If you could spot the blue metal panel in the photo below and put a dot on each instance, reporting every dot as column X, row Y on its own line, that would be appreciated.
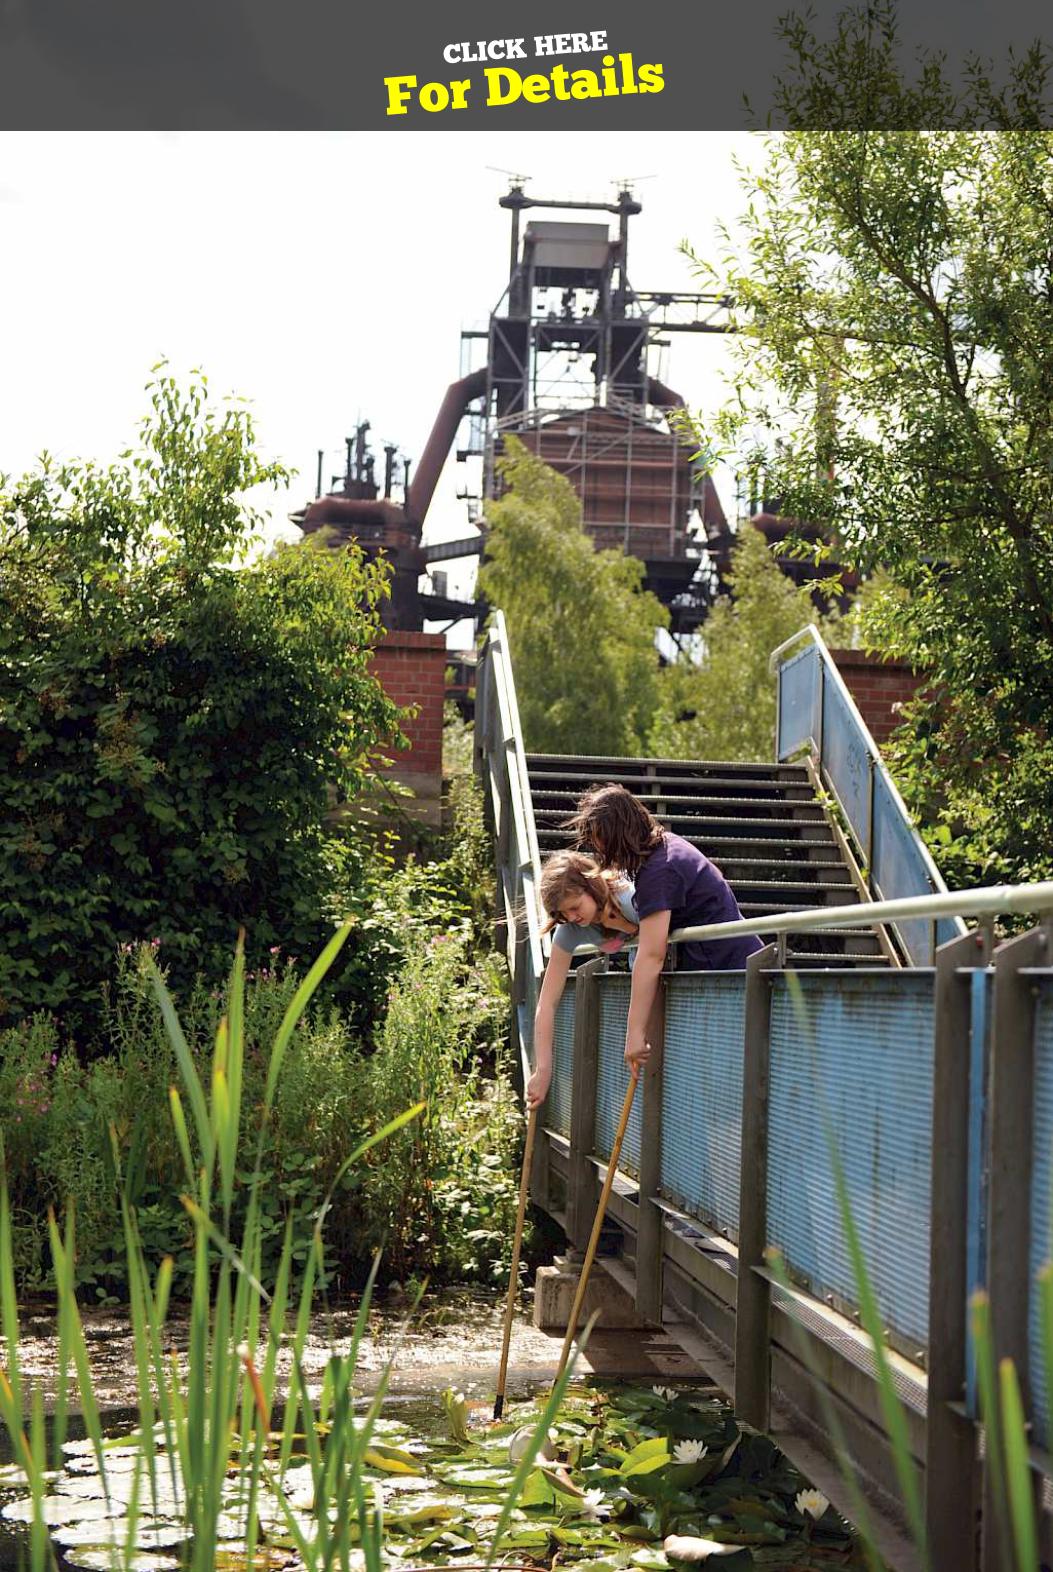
column 798, row 693
column 613, row 1079
column 982, row 985
column 557, row 1109
column 846, row 760
column 702, row 1095
column 1041, row 1179
column 851, row 1066
column 898, row 868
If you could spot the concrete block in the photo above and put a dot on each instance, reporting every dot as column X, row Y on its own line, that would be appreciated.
column 554, row 1290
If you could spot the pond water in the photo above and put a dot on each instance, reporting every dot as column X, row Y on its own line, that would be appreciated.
column 630, row 1461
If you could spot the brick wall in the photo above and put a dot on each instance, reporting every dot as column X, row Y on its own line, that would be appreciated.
column 877, row 685
column 412, row 668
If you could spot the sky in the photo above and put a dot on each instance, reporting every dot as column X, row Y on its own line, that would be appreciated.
column 324, row 276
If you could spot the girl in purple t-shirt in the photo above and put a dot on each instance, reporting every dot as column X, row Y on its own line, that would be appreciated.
column 676, row 887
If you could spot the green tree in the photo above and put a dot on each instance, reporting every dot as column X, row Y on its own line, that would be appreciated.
column 722, row 706
column 173, row 727
column 581, row 626
column 895, row 294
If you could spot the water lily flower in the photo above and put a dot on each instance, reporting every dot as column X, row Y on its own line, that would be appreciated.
column 519, row 1440
column 666, row 1393
column 685, row 1547
column 593, row 1506
column 811, row 1503
column 689, row 1451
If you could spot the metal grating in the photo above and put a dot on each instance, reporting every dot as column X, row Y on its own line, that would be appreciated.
column 702, row 1096
column 557, row 1108
column 612, row 1079
column 851, row 1062
column 1041, row 1180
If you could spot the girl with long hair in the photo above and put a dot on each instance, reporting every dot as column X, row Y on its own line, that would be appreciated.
column 676, row 887
column 583, row 904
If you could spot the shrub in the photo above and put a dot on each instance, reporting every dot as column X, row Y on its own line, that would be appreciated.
column 173, row 728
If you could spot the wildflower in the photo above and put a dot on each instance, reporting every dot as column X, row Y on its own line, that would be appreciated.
column 811, row 1503
column 593, row 1506
column 685, row 1547
column 666, row 1393
column 689, row 1452
column 275, row 949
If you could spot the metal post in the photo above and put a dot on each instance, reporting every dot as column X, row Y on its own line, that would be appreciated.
column 649, row 1232
column 581, row 1196
column 752, row 1354
column 950, row 1439
column 1011, row 1133
column 871, row 773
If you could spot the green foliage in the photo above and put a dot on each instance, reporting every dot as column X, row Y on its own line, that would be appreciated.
column 723, row 705
column 446, row 1200
column 580, row 624
column 897, row 354
column 443, row 1196
column 173, row 728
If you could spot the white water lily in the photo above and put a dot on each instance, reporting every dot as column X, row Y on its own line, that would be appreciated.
column 593, row 1506
column 689, row 1451
column 666, row 1393
column 811, row 1503
column 685, row 1547
column 519, row 1440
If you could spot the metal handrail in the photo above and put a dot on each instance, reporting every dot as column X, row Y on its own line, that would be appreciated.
column 830, row 674
column 986, row 901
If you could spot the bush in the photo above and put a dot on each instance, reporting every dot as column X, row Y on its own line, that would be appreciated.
column 440, row 1195
column 174, row 729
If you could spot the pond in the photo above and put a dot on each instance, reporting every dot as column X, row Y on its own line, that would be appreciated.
column 640, row 1473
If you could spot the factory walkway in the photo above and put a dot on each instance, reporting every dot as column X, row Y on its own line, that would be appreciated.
column 876, row 1052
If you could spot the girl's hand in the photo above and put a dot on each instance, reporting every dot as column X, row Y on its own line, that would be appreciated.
column 537, row 1086
column 637, row 1051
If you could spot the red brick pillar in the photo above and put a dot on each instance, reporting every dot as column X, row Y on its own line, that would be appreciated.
column 877, row 685
column 411, row 668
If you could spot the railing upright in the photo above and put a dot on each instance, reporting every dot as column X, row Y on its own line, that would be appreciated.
column 950, row 1440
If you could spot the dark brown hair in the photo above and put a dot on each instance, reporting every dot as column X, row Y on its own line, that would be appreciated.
column 616, row 826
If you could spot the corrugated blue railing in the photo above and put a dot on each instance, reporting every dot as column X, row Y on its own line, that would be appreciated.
column 1041, row 1180
column 816, row 710
column 702, row 1096
column 851, row 1065
column 557, row 1113
column 611, row 1078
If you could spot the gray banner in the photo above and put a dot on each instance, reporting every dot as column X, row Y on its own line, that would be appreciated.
column 322, row 64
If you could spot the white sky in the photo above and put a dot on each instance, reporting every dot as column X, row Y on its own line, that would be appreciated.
column 326, row 277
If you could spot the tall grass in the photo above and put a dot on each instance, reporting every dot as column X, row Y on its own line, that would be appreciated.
column 213, row 1411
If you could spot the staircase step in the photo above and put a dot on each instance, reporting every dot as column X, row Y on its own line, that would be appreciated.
column 645, row 766
column 659, row 801
column 804, row 960
column 728, row 825
column 574, row 782
column 786, row 894
column 736, row 868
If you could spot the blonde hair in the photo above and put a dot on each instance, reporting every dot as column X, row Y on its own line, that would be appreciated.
column 570, row 873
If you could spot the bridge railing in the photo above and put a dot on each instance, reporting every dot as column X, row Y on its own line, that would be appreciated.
column 927, row 1091
column 816, row 711
column 500, row 762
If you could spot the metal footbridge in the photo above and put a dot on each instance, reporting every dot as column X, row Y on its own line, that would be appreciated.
column 873, row 1038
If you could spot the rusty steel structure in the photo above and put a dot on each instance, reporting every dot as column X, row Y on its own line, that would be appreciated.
column 569, row 363
column 570, row 366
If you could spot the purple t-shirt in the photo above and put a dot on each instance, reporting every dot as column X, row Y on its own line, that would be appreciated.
column 677, row 879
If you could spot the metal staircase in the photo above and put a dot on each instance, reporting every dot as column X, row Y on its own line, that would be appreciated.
column 762, row 824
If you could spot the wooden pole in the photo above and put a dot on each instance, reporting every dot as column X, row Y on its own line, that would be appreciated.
column 513, row 1277
column 597, row 1225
